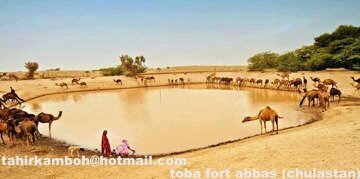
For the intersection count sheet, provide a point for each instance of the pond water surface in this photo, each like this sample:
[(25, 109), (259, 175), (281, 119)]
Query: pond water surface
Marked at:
[(164, 119)]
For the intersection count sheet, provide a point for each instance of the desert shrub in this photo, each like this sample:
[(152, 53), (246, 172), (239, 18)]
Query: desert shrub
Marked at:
[(31, 67), (112, 71)]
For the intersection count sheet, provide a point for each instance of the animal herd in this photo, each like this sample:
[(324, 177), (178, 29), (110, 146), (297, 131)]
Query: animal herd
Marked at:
[(320, 95)]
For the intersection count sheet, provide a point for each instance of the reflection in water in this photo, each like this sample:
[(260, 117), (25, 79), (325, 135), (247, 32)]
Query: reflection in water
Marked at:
[(165, 119)]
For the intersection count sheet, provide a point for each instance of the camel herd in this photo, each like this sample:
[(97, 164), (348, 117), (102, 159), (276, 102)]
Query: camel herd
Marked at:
[(176, 81), (17, 123), (74, 81), (321, 95)]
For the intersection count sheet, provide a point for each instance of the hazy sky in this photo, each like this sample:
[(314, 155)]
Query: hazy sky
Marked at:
[(92, 34)]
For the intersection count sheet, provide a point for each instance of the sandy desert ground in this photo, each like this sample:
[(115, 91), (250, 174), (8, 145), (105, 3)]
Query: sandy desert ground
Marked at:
[(331, 143)]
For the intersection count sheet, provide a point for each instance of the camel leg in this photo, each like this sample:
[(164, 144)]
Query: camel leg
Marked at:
[(273, 126), (50, 129), (1, 134), (27, 140), (33, 137), (260, 127), (277, 125), (265, 126)]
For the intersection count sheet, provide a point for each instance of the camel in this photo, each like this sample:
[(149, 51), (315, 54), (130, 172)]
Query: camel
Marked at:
[(315, 80), (13, 97), (297, 83), (3, 129), (2, 75), (266, 114), (252, 81), (259, 81), (330, 82), (276, 82), (13, 76), (83, 84), (305, 81), (63, 84), (118, 81), (311, 96), (357, 87), (150, 78), (334, 92), (2, 104), (357, 80), (48, 118), (266, 82), (75, 81), (181, 81), (324, 98), (284, 75), (27, 129), (208, 79)]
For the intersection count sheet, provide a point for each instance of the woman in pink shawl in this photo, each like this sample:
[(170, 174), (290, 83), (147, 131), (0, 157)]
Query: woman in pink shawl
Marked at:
[(124, 149)]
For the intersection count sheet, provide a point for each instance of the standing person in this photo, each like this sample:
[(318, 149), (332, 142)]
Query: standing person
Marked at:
[(105, 145)]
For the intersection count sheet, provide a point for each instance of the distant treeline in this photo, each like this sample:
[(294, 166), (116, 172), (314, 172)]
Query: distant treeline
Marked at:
[(340, 48)]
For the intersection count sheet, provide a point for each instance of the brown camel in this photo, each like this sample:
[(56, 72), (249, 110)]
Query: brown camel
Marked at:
[(311, 96), (3, 129), (330, 82), (83, 84), (276, 82), (266, 114), (252, 81), (2, 104), (315, 80), (284, 75), (357, 87), (1, 75), (13, 76), (63, 84), (11, 97), (27, 129), (48, 118), (75, 81), (324, 98), (259, 81), (357, 80)]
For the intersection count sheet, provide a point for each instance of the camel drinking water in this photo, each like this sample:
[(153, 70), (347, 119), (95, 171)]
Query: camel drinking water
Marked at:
[(266, 114)]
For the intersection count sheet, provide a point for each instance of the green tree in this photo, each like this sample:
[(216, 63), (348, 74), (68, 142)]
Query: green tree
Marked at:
[(133, 67), (262, 61), (31, 67), (290, 62), (318, 61), (349, 56)]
